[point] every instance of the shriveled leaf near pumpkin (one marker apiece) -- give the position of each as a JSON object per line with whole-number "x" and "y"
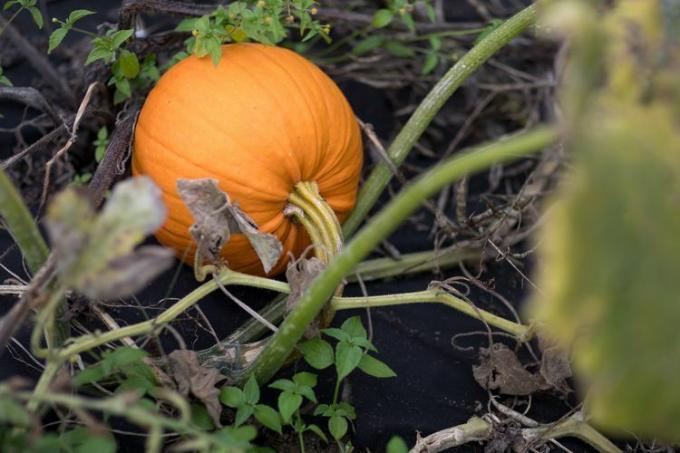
{"x": 261, "y": 122}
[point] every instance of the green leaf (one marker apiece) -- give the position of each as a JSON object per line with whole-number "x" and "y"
{"x": 129, "y": 64}
{"x": 100, "y": 444}
{"x": 98, "y": 53}
{"x": 288, "y": 403}
{"x": 318, "y": 431}
{"x": 13, "y": 413}
{"x": 374, "y": 367}
{"x": 407, "y": 19}
{"x": 268, "y": 417}
{"x": 119, "y": 37}
{"x": 125, "y": 355}
{"x": 369, "y": 44}
{"x": 56, "y": 38}
{"x": 354, "y": 328}
{"x": 338, "y": 334}
{"x": 431, "y": 61}
{"x": 232, "y": 396}
{"x": 396, "y": 445}
{"x": 78, "y": 14}
{"x": 4, "y": 80}
{"x": 400, "y": 50}
{"x": 337, "y": 426}
{"x": 382, "y": 18}
{"x": 89, "y": 375}
{"x": 201, "y": 418}
{"x": 251, "y": 390}
{"x": 10, "y": 3}
{"x": 283, "y": 384}
{"x": 347, "y": 358}
{"x": 243, "y": 413}
{"x": 305, "y": 379}
{"x": 186, "y": 25}
{"x": 317, "y": 352}
{"x": 37, "y": 16}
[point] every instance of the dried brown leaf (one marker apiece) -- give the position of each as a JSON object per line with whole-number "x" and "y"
{"x": 501, "y": 370}
{"x": 555, "y": 365}
{"x": 192, "y": 377}
{"x": 216, "y": 218}
{"x": 300, "y": 274}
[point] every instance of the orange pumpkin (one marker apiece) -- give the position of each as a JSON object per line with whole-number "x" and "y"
{"x": 260, "y": 121}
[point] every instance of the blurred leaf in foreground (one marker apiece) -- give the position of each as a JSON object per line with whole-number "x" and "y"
{"x": 610, "y": 249}
{"x": 95, "y": 252}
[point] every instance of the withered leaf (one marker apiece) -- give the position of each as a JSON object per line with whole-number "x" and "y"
{"x": 300, "y": 274}
{"x": 501, "y": 370}
{"x": 95, "y": 252}
{"x": 555, "y": 366}
{"x": 216, "y": 218}
{"x": 198, "y": 380}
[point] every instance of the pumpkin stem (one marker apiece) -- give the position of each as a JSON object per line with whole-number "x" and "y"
{"x": 318, "y": 218}
{"x": 309, "y": 208}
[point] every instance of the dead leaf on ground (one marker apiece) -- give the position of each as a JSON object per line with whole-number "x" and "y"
{"x": 555, "y": 365}
{"x": 198, "y": 380}
{"x": 501, "y": 370}
{"x": 216, "y": 218}
{"x": 300, "y": 274}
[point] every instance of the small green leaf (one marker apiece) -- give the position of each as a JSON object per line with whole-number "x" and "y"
{"x": 337, "y": 426}
{"x": 243, "y": 413}
{"x": 129, "y": 64}
{"x": 407, "y": 19}
{"x": 186, "y": 25}
{"x": 396, "y": 445}
{"x": 369, "y": 44}
{"x": 317, "y": 352}
{"x": 251, "y": 390}
{"x": 318, "y": 431}
{"x": 347, "y": 358}
{"x": 78, "y": 14}
{"x": 431, "y": 61}
{"x": 89, "y": 375}
{"x": 232, "y": 396}
{"x": 10, "y": 3}
{"x": 288, "y": 403}
{"x": 374, "y": 367}
{"x": 13, "y": 413}
{"x": 268, "y": 417}
{"x": 98, "y": 53}
{"x": 382, "y": 18}
{"x": 283, "y": 384}
{"x": 56, "y": 38}
{"x": 37, "y": 16}
{"x": 100, "y": 444}
{"x": 120, "y": 37}
{"x": 305, "y": 379}
{"x": 201, "y": 418}
{"x": 4, "y": 80}
{"x": 338, "y": 334}
{"x": 400, "y": 50}
{"x": 354, "y": 328}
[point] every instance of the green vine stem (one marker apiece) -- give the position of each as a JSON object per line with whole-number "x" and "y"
{"x": 520, "y": 331}
{"x": 368, "y": 270}
{"x": 313, "y": 300}
{"x": 20, "y": 224}
{"x": 429, "y": 107}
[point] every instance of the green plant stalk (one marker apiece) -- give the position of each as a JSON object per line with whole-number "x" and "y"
{"x": 429, "y": 107}
{"x": 369, "y": 270}
{"x": 520, "y": 331}
{"x": 21, "y": 225}
{"x": 226, "y": 277}
{"x": 313, "y": 300}
{"x": 575, "y": 426}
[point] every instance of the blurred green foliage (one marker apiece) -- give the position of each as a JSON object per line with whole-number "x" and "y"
{"x": 610, "y": 250}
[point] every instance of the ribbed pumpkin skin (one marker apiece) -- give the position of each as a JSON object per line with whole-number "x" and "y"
{"x": 261, "y": 121}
